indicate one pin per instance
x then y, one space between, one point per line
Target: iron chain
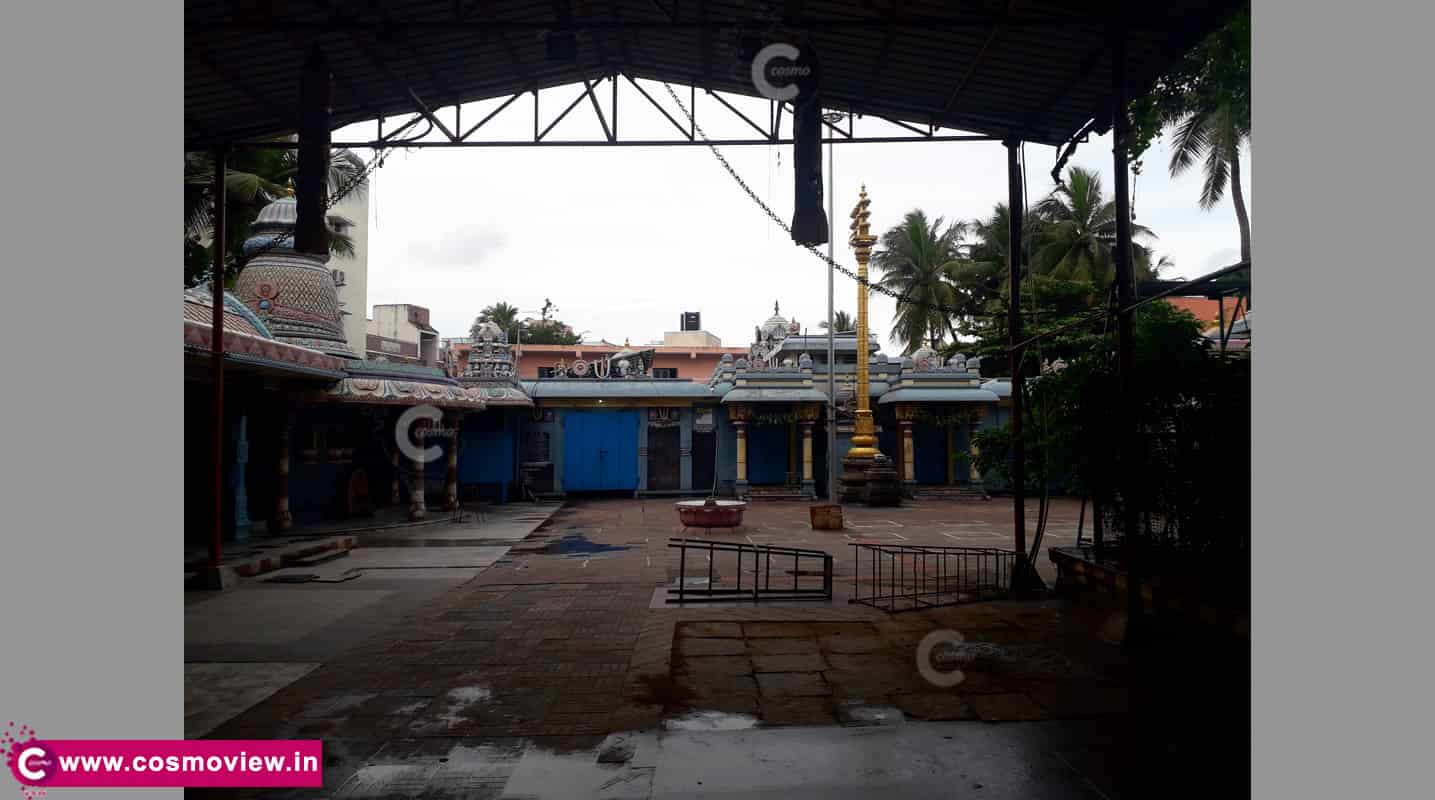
877 287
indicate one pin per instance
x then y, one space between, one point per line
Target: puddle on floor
576 544
711 721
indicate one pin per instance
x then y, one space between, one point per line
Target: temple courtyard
532 653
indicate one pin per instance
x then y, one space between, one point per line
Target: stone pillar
241 490
741 428
976 474
417 508
450 481
395 491
809 488
283 520
909 471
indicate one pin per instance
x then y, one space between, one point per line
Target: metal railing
907 577
768 580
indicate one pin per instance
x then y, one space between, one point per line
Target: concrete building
401 332
351 275
688 355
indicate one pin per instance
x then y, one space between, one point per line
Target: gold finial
860 227
289 190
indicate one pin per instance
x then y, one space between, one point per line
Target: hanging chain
877 287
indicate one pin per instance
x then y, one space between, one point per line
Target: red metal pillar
1016 206
216 354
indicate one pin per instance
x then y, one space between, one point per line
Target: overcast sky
623 239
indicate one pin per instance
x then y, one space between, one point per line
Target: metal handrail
762 586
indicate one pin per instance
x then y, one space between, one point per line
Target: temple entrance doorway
769 459
664 459
929 454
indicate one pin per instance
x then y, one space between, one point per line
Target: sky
624 239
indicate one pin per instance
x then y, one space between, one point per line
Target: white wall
354 295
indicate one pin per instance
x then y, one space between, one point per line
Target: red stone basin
710 514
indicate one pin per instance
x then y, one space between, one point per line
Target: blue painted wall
488 452
726 453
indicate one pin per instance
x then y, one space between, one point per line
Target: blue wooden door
600 450
767 456
929 454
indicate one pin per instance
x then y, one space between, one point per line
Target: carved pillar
972 453
808 487
283 520
241 490
417 509
450 482
909 471
741 428
395 491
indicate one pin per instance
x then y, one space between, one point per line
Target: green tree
841 322
253 178
1206 98
503 315
1080 234
915 259
547 329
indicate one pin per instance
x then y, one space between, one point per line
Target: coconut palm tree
1079 233
503 315
1214 136
253 178
841 322
914 258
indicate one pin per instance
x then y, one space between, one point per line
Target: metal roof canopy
1033 71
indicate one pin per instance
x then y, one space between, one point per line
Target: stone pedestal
215 579
884 486
853 485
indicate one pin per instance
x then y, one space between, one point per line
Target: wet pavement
518 682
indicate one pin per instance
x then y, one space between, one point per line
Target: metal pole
831 342
216 354
1125 344
1016 207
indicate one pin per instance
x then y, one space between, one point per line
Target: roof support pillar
1016 206
315 100
1129 449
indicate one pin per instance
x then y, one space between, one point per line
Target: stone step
949 493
